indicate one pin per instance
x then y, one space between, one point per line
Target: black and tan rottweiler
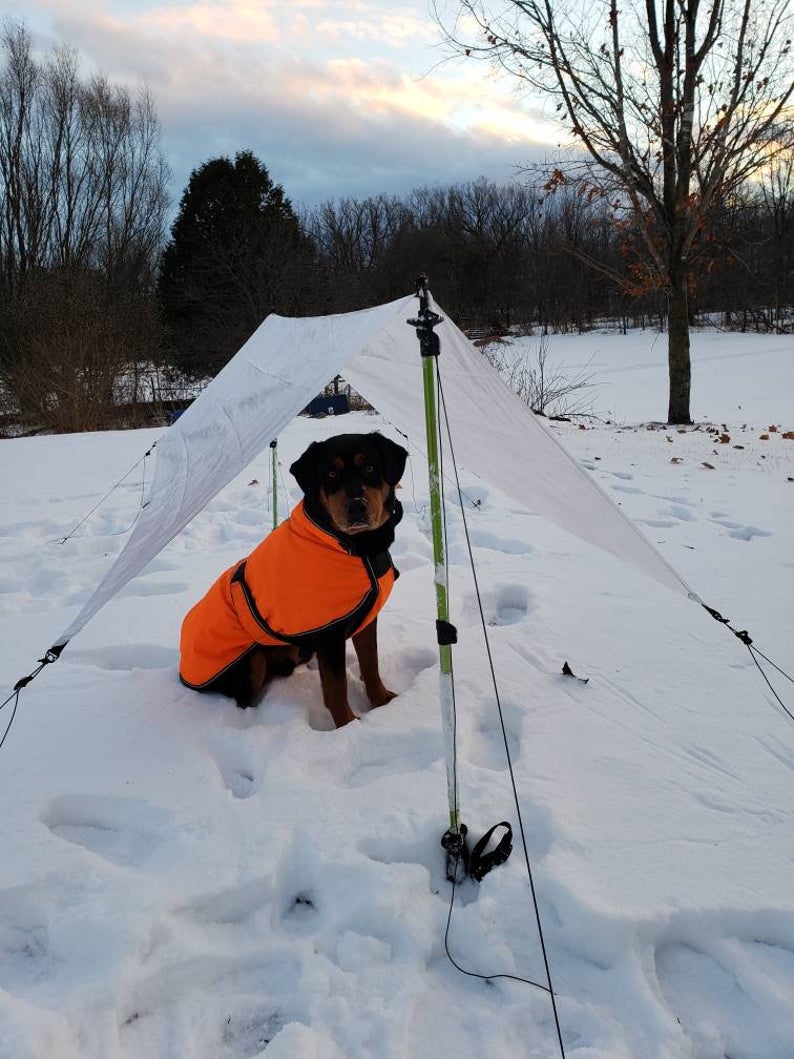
319 579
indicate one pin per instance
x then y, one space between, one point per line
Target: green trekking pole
454 839
274 472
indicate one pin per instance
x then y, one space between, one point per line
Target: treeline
93 288
498 256
552 260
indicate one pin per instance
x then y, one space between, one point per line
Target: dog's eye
332 475
369 469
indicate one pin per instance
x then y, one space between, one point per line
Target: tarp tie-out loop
24 681
755 654
50 656
741 634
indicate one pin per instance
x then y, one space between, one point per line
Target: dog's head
351 477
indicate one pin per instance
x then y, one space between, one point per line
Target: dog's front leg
333 676
366 645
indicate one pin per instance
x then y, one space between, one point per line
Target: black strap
446 633
480 862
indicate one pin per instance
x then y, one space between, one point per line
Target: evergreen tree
236 254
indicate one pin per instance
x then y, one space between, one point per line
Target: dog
319 579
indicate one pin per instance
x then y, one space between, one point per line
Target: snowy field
180 879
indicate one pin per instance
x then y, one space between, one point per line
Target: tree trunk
678 360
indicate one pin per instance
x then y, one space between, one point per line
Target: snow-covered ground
183 880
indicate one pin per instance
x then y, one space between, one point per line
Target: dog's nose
356 510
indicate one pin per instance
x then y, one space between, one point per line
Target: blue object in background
335 404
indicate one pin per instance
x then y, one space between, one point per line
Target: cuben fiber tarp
287 361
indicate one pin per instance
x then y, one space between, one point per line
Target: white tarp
288 361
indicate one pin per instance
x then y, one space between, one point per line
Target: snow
183 879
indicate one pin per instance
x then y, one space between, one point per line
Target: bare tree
353 238
82 215
547 390
675 102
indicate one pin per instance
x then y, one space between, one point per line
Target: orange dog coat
299 582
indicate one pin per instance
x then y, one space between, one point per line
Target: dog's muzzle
356 511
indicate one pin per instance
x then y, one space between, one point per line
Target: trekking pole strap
480 862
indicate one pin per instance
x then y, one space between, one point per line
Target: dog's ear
305 468
392 456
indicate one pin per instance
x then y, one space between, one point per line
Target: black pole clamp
454 842
429 344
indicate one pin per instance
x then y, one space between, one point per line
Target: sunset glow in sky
337 98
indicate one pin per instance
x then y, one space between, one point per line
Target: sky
338 99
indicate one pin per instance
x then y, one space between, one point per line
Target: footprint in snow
125 831
158 565
237 904
25 959
243 1000
421 850
682 513
486 747
656 523
356 951
250 1027
738 531
391 848
674 515
222 961
236 762
377 756
301 910
417 661
251 516
506 545
510 606
409 560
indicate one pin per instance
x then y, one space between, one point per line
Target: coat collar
309 519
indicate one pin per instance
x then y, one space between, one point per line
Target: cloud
337 108
229 21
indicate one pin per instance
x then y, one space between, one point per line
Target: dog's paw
380 695
341 721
